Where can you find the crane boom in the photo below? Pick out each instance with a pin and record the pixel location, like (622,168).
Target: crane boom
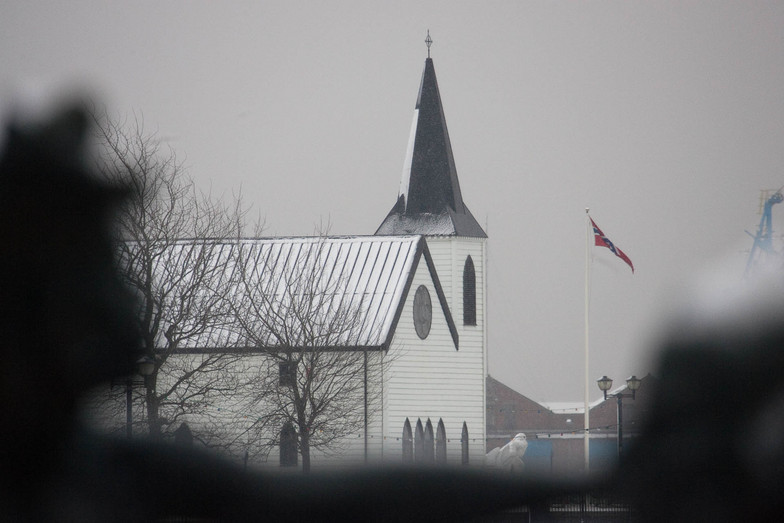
(763,240)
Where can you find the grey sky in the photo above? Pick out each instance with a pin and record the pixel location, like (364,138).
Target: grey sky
(665,118)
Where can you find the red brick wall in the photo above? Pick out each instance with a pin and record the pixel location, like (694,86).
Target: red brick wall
(509,413)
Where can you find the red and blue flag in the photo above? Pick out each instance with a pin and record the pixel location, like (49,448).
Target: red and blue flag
(603,241)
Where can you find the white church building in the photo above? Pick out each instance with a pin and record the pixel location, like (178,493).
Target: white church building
(438,378)
(419,285)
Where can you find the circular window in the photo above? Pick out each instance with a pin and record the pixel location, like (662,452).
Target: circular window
(423,312)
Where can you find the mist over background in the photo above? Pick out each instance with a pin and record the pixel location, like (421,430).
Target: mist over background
(665,118)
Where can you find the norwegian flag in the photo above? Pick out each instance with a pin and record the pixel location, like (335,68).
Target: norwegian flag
(603,241)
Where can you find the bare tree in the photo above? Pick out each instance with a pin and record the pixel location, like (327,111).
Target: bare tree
(317,382)
(246,346)
(174,251)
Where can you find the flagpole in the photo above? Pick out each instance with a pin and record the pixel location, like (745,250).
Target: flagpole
(586,436)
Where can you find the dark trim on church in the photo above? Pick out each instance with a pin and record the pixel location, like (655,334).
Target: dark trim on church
(442,297)
(423,249)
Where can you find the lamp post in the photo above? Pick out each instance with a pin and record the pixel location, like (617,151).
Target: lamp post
(144,366)
(632,383)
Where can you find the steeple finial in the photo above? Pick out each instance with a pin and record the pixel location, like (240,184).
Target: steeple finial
(428,42)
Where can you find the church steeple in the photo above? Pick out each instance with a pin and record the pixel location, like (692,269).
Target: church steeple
(430,201)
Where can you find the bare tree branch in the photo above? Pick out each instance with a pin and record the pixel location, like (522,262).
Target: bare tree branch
(174,252)
(293,308)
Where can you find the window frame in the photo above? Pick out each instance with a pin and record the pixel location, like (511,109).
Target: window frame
(287,373)
(464,456)
(289,453)
(408,443)
(441,443)
(469,292)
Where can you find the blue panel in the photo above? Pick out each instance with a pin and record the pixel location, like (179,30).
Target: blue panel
(604,448)
(604,454)
(538,457)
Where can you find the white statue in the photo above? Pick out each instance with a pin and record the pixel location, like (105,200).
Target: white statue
(510,456)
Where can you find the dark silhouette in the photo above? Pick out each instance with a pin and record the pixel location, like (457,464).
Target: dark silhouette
(65,319)
(183,436)
(712,448)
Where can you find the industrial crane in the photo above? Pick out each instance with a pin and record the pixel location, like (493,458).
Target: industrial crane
(763,240)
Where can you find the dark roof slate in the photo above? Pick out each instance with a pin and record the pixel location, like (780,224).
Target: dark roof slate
(430,201)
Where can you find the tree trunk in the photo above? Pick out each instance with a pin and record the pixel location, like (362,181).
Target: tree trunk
(151,399)
(304,446)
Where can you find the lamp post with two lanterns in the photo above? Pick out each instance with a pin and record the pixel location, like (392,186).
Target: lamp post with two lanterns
(632,383)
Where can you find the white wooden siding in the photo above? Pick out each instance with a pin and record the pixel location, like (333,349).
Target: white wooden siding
(429,379)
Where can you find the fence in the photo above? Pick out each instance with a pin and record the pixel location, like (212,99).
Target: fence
(593,507)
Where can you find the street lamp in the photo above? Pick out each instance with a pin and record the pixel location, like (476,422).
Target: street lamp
(632,383)
(145,366)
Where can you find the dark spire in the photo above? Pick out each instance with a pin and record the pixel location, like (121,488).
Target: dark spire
(430,201)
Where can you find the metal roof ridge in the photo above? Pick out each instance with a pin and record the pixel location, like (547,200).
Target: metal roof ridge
(354,237)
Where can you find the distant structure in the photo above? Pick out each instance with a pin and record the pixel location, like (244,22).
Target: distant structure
(555,435)
(762,251)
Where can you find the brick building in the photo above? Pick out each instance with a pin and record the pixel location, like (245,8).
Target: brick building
(555,435)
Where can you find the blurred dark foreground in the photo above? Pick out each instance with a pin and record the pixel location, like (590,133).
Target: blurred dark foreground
(711,450)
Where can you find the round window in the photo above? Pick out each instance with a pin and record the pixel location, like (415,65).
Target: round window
(423,312)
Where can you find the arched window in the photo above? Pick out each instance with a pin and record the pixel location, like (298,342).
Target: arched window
(469,293)
(408,443)
(287,374)
(464,444)
(429,455)
(288,446)
(441,443)
(419,442)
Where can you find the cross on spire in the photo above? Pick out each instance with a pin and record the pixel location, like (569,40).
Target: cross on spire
(428,42)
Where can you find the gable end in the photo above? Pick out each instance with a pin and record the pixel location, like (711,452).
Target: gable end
(422,249)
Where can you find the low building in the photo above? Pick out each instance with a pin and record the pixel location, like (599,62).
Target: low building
(555,433)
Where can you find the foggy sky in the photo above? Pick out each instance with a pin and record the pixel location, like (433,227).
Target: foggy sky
(665,118)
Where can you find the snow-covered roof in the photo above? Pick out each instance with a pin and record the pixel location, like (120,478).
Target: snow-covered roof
(331,292)
(578,407)
(564,407)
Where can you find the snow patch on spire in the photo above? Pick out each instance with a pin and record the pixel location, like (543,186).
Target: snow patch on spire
(409,159)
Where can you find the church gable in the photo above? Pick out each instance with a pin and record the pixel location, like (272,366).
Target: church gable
(427,302)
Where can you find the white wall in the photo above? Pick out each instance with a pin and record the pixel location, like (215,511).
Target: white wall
(431,379)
